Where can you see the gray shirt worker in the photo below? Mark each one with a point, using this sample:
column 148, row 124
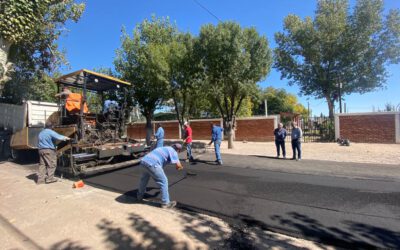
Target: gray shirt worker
column 47, row 154
column 296, row 133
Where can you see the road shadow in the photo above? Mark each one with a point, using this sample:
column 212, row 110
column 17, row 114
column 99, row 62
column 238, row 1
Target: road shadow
column 205, row 162
column 149, row 197
column 271, row 157
column 68, row 245
column 27, row 157
column 355, row 235
column 213, row 233
column 32, row 177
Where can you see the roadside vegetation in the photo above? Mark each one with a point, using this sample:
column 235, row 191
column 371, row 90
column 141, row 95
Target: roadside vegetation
column 214, row 73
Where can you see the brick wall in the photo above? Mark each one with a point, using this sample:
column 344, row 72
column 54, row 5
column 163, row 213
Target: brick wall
column 371, row 128
column 136, row 131
column 171, row 129
column 255, row 129
column 249, row 129
column 202, row 129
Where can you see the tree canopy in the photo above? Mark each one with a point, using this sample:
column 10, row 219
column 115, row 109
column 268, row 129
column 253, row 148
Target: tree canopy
column 279, row 101
column 338, row 47
column 143, row 60
column 29, row 30
column 234, row 59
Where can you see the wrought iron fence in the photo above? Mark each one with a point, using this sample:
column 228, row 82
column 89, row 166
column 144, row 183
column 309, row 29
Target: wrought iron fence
column 315, row 129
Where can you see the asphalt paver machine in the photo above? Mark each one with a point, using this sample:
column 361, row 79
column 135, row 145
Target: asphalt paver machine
column 99, row 142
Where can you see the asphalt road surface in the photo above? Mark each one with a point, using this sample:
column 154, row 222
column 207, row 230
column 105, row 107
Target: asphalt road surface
column 346, row 210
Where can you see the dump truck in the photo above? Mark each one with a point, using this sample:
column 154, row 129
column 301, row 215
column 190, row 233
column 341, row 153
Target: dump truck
column 98, row 140
column 21, row 124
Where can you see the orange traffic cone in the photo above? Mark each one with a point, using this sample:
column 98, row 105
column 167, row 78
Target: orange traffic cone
column 78, row 184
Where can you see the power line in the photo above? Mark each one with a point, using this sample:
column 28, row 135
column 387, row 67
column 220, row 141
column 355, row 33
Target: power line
column 206, row 9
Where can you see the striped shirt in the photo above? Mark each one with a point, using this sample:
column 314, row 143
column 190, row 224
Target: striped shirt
column 161, row 157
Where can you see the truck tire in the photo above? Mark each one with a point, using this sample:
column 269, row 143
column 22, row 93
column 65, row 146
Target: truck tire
column 15, row 153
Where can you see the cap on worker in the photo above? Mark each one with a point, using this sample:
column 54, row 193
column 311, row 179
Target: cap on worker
column 185, row 123
column 48, row 124
column 177, row 146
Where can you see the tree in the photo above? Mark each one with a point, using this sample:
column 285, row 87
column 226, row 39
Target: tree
column 184, row 77
column 279, row 101
column 234, row 59
column 143, row 61
column 28, row 87
column 338, row 48
column 29, row 30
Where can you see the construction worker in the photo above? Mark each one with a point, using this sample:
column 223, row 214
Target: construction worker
column 153, row 165
column 296, row 135
column 188, row 141
column 64, row 92
column 159, row 135
column 72, row 101
column 216, row 137
column 47, row 154
column 280, row 135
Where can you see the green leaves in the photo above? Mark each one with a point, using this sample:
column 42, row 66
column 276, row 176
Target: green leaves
column 143, row 60
column 31, row 28
column 234, row 60
column 338, row 47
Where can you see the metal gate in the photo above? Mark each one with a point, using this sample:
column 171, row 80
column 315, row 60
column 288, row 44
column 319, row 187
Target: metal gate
column 315, row 129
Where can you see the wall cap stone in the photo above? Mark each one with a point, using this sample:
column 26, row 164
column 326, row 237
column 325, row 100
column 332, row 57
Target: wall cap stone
column 368, row 113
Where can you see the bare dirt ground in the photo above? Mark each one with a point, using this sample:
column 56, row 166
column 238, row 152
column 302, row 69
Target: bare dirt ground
column 356, row 152
column 56, row 216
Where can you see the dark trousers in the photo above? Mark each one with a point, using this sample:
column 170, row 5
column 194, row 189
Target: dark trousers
column 296, row 145
column 280, row 144
column 47, row 164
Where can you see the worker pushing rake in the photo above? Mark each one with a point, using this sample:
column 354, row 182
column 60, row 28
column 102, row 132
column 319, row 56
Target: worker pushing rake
column 153, row 166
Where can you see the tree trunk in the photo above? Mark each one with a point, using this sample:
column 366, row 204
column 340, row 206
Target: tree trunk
column 230, row 132
column 5, row 66
column 149, row 129
column 331, row 106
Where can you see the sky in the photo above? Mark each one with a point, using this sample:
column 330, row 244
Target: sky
column 92, row 42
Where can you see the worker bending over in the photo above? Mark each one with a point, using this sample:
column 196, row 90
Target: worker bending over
column 153, row 165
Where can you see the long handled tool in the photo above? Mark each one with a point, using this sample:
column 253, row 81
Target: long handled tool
column 188, row 172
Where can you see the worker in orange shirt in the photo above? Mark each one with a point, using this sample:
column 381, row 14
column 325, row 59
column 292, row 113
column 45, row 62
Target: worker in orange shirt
column 72, row 101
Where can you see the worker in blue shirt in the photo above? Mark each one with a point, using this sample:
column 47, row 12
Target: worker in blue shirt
column 159, row 135
column 47, row 154
column 216, row 137
column 110, row 106
column 153, row 165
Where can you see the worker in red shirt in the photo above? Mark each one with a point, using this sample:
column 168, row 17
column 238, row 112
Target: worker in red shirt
column 188, row 141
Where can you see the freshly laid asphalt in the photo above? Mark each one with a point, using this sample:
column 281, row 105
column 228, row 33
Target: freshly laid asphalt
column 321, row 203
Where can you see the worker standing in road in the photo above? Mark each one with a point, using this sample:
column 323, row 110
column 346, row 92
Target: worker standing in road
column 47, row 154
column 216, row 137
column 153, row 164
column 188, row 141
column 159, row 135
column 280, row 135
column 296, row 141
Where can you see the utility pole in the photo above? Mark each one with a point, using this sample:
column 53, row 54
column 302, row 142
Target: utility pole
column 308, row 109
column 340, row 97
column 345, row 108
column 266, row 107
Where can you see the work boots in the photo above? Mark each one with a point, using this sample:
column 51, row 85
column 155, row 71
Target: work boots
column 171, row 204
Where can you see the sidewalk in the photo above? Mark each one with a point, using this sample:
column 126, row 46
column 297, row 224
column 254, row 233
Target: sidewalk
column 356, row 152
column 58, row 217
